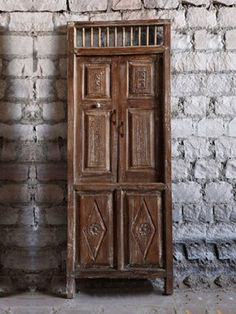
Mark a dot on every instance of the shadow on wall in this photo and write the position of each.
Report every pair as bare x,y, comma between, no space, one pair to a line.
33,133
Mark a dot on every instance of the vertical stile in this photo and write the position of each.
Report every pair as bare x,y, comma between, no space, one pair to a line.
83,37
131,35
139,36
155,35
99,36
123,37
108,30
91,36
147,35
115,36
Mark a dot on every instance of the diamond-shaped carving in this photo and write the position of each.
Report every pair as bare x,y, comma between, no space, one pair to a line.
94,231
143,229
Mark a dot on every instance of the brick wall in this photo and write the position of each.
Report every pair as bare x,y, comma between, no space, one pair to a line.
33,133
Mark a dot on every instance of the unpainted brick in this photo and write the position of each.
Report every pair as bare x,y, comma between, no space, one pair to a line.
13,172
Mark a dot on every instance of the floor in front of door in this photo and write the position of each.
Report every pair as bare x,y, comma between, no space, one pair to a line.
141,299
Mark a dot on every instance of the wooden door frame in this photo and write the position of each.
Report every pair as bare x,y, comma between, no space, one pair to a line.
74,51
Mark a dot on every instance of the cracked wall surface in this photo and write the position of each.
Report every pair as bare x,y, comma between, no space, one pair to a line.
33,131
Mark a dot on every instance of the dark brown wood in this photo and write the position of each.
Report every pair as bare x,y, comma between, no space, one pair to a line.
119,158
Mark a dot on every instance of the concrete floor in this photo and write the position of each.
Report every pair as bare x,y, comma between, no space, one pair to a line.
122,301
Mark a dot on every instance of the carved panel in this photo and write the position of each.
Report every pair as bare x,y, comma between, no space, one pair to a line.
95,229
143,222
96,81
141,138
140,79
97,140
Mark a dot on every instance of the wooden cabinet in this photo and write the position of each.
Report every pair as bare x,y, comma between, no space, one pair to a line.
119,179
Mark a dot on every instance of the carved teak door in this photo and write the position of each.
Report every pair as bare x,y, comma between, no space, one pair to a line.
119,200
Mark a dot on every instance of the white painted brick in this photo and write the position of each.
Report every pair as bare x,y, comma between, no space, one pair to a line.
16,45
51,132
201,17
51,45
182,128
232,128
84,5
230,171
20,88
196,105
177,17
207,41
198,2
217,84
53,111
28,21
45,88
186,85
16,5
161,4
141,15
221,61
61,19
16,132
19,67
113,16
186,192
196,147
10,111
210,127
3,86
206,169
46,67
175,150
180,41
225,147
179,169
126,4
226,105
52,5
230,39
218,192
189,61
226,17
174,106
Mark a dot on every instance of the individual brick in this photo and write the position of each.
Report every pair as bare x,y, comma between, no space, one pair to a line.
222,212
51,45
61,19
225,147
28,21
111,16
226,251
189,61
45,88
230,171
50,172
181,41
9,151
9,215
221,61
210,127
201,17
161,4
218,192
141,15
217,84
126,4
196,105
13,172
196,147
226,17
16,131
182,128
179,169
49,193
53,111
51,132
206,169
226,105
16,45
46,67
19,67
85,6
10,111
232,128
186,192
52,5
20,89
55,215
193,231
177,17
207,41
186,85
230,39
191,212
14,193
16,5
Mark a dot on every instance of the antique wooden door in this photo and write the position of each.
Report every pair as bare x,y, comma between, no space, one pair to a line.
119,219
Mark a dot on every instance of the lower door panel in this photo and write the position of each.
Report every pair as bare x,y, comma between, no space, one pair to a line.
142,230
94,230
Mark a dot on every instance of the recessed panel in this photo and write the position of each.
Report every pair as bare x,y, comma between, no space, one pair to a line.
96,141
140,79
96,81
141,139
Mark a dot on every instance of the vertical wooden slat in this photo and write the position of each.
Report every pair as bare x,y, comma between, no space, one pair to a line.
139,36
155,35
115,36
91,37
99,36
147,35
123,36
131,35
108,35
83,37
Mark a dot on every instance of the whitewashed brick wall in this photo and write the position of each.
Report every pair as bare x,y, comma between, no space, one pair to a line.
33,134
